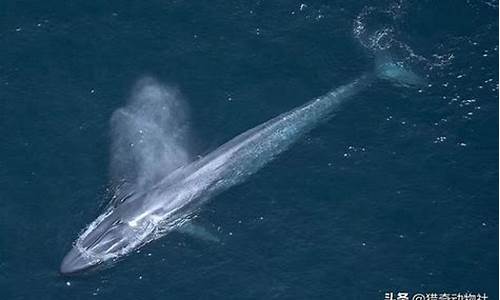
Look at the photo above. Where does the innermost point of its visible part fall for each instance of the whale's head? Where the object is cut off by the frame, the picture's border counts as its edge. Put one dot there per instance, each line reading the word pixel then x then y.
pixel 109 237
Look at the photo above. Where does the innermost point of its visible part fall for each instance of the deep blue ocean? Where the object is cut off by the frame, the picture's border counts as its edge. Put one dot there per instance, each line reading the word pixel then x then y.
pixel 398 192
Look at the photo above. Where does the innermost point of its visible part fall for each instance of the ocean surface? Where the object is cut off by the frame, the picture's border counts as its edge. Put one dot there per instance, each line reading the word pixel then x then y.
pixel 398 192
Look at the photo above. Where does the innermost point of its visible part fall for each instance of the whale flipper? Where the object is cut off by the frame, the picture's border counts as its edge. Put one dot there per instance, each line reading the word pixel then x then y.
pixel 150 137
pixel 197 231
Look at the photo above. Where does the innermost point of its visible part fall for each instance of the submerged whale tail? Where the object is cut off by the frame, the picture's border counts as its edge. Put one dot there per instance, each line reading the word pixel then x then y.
pixel 386 67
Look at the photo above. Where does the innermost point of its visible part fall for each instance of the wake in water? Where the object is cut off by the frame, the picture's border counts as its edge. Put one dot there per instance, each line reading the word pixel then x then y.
pixel 378 29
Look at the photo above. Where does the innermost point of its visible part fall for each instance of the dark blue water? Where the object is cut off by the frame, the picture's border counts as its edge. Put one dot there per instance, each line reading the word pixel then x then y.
pixel 397 192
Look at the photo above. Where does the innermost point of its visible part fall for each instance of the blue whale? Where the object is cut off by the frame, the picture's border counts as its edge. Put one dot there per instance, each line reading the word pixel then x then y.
pixel 168 187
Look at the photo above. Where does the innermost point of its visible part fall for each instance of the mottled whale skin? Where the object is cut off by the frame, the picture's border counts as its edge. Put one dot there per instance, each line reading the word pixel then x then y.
pixel 144 216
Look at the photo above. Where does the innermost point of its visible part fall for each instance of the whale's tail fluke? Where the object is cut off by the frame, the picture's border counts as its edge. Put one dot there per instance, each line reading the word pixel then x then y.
pixel 386 67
